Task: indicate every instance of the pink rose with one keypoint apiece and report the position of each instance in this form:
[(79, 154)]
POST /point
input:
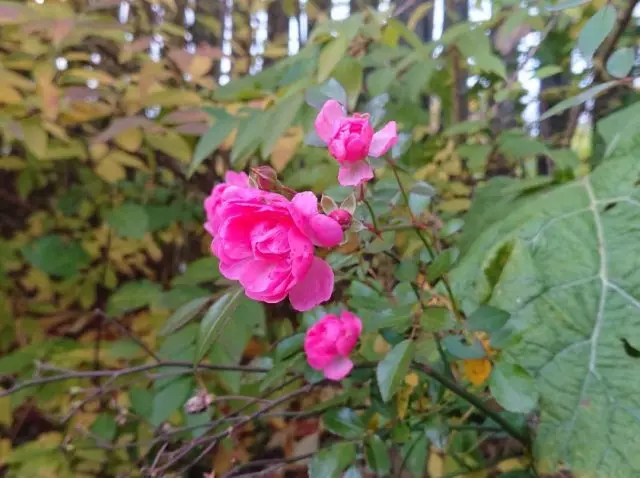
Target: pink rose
[(329, 342), (265, 242), (212, 203), (350, 140)]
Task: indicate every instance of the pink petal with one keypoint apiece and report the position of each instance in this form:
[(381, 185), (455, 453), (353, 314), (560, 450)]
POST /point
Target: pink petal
[(383, 140), (326, 231), (306, 203), (352, 322), (237, 179), (327, 119), (338, 369), (354, 174), (315, 288)]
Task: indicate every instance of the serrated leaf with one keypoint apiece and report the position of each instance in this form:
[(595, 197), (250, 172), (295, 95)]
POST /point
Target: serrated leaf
[(596, 30), (183, 315), (621, 62), (169, 398), (392, 370), (56, 256), (131, 296), (211, 140), (345, 423), (377, 456), (588, 94), (215, 319), (330, 463), (128, 220), (569, 283), (513, 388)]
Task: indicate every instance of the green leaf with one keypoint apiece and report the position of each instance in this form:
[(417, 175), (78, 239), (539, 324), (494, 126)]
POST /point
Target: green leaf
[(547, 71), (461, 350), (317, 96), (283, 115), (621, 62), (215, 319), (588, 94), (352, 472), (183, 316), (619, 130), (513, 388), (56, 256), (198, 272), (596, 30), (380, 244), (131, 296), (141, 402), (487, 319), (251, 130), (434, 319), (330, 55), (350, 75), (105, 427), (377, 456), (169, 398), (418, 203), (211, 140), (414, 455), (345, 423), (128, 220), (441, 265), (379, 81), (392, 370), (289, 346), (330, 463), (569, 282), (407, 270), (564, 5), (492, 64), (199, 422)]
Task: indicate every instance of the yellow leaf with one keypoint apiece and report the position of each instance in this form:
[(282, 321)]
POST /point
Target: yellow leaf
[(200, 66), (129, 140), (12, 163), (98, 151), (49, 98), (476, 370), (9, 95), (511, 464), (125, 159), (172, 144), (5, 449), (110, 170), (455, 205), (284, 149), (35, 138), (381, 346), (77, 75), (412, 380), (435, 465), (81, 112), (5, 410), (172, 98)]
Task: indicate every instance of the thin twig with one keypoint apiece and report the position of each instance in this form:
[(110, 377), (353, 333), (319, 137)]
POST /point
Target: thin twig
[(117, 373), (267, 462), (129, 333)]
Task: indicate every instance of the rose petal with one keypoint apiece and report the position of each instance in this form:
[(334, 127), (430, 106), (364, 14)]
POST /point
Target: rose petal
[(354, 174), (383, 140), (315, 288), (237, 179), (306, 203), (327, 119), (326, 231), (338, 369)]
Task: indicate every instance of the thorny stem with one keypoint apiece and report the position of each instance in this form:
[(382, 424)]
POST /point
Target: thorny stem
[(373, 216), (424, 240), (475, 401)]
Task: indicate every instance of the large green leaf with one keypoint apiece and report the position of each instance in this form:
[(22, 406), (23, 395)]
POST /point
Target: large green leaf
[(392, 370), (215, 319), (212, 139), (565, 266), (128, 220), (56, 256), (596, 30), (330, 463)]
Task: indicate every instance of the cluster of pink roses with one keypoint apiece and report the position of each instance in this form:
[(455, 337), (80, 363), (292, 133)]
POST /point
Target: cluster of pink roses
[(266, 241)]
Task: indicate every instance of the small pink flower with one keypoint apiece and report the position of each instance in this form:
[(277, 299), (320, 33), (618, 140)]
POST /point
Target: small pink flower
[(329, 342), (265, 242), (351, 139)]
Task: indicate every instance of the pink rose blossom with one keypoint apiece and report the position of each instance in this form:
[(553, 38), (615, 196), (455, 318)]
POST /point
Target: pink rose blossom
[(351, 139), (212, 203), (265, 242), (329, 342)]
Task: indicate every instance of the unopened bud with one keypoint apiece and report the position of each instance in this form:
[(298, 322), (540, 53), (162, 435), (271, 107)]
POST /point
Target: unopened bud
[(266, 177), (342, 217), (199, 402)]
